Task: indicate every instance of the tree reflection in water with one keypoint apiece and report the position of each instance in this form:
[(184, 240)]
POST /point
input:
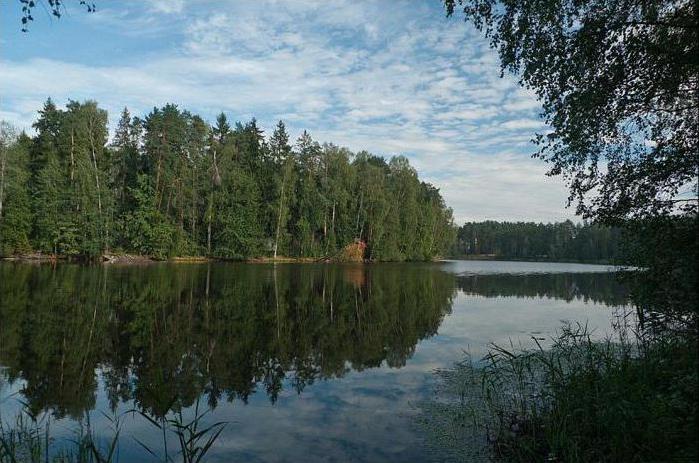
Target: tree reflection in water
[(162, 338), (164, 335)]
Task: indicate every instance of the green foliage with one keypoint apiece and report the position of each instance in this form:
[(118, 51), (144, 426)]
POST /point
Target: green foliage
[(81, 148), (171, 185), (146, 229), (71, 204), (529, 240), (618, 83), (666, 251), (15, 203), (54, 230), (579, 400), (238, 226)]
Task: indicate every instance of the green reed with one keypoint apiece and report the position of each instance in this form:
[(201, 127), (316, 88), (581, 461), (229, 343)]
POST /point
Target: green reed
[(28, 439), (577, 400)]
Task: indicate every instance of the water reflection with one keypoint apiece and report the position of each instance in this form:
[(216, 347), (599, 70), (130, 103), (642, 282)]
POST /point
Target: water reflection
[(161, 337), (587, 287), (164, 335)]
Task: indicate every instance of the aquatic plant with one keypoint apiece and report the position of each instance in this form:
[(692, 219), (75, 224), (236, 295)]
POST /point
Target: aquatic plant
[(194, 438), (28, 439), (623, 399)]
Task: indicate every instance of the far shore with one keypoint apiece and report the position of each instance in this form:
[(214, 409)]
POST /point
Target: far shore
[(530, 259), (137, 259)]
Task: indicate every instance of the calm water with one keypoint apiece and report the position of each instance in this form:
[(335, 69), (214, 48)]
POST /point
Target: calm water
[(304, 362)]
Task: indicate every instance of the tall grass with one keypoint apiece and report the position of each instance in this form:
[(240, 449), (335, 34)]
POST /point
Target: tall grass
[(28, 439), (579, 400), (194, 439)]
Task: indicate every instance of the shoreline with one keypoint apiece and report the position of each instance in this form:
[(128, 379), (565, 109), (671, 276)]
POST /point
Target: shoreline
[(493, 257), (137, 259)]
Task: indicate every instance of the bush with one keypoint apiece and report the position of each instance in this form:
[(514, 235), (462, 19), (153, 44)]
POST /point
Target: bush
[(353, 252)]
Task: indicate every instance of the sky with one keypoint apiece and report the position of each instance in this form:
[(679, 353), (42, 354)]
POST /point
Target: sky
[(387, 77)]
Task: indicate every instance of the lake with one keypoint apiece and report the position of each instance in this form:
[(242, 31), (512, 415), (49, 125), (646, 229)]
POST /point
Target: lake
[(301, 362)]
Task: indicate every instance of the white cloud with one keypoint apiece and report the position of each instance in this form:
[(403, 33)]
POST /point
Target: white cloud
[(167, 6), (523, 124), (405, 82)]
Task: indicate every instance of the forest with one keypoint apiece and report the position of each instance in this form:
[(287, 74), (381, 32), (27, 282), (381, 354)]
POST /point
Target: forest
[(561, 241), (170, 184)]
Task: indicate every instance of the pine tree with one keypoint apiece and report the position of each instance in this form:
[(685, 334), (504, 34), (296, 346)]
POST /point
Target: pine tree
[(15, 205)]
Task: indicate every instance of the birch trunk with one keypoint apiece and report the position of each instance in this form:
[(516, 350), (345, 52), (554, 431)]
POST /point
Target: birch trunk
[(97, 182), (208, 228), (3, 164), (72, 156), (359, 210), (279, 218)]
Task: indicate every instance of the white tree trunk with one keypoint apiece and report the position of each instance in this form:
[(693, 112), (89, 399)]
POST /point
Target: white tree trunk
[(3, 164), (279, 217), (97, 182)]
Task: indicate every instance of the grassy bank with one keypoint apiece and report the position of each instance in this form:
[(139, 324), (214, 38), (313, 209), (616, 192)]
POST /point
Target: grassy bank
[(578, 400)]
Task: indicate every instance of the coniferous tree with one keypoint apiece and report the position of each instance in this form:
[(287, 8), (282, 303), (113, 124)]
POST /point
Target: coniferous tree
[(171, 185), (123, 170), (15, 205)]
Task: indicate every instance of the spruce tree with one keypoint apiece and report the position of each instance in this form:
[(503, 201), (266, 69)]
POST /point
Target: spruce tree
[(15, 205)]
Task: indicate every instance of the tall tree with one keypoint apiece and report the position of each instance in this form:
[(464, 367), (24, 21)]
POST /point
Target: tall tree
[(283, 162), (15, 205), (123, 170), (82, 151), (619, 82)]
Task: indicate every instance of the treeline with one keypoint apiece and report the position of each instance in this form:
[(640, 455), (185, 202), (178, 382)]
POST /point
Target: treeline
[(170, 184), (529, 240)]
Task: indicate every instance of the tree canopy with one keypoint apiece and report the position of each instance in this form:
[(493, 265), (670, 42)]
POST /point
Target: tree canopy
[(619, 82), (169, 184)]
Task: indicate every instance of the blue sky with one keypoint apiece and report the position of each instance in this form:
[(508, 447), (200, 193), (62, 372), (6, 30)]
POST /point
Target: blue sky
[(388, 77)]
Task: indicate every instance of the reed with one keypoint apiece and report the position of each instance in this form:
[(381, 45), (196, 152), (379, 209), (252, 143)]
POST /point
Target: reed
[(577, 400), (28, 438)]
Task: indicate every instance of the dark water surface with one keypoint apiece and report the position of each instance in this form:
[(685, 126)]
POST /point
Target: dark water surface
[(304, 362)]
